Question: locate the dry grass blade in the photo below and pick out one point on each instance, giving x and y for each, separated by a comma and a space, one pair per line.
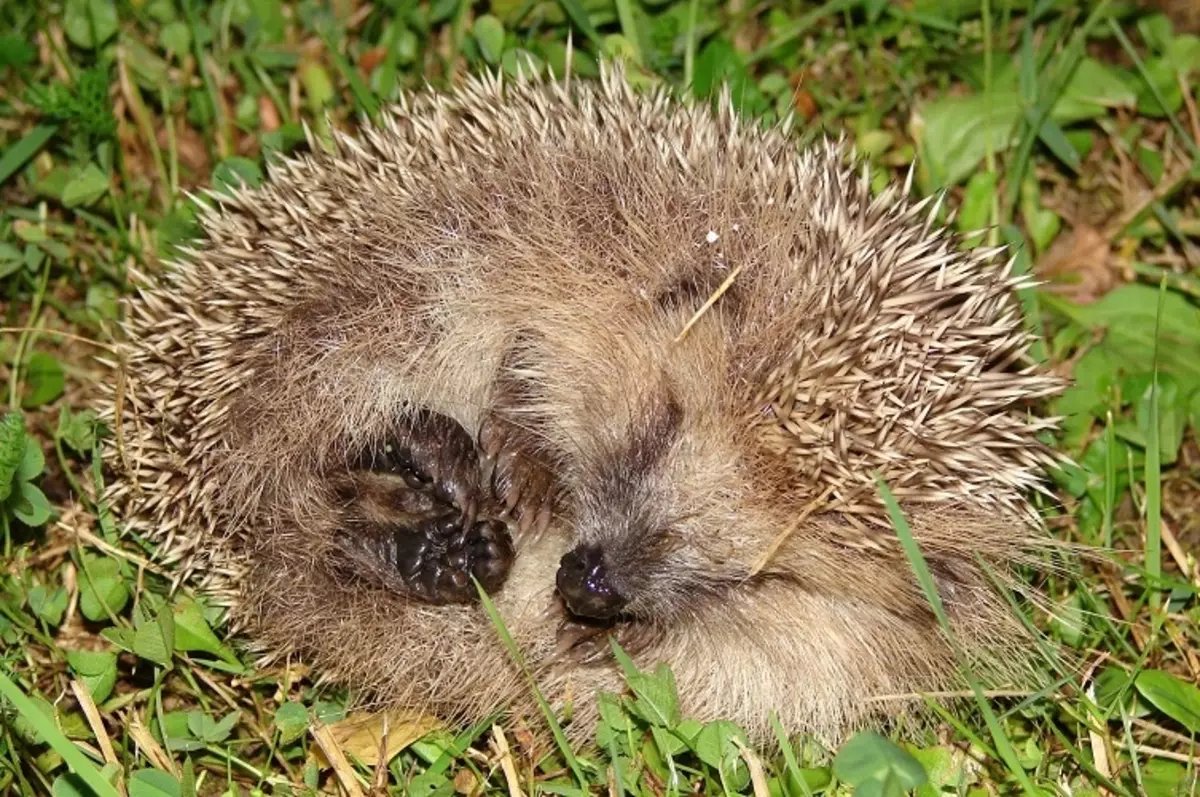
507, 765
342, 769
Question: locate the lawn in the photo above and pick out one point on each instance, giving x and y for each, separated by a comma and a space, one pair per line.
1066, 131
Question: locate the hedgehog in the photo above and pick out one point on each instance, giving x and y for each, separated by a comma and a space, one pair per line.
633, 367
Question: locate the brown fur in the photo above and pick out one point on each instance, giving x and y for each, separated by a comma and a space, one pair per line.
528, 255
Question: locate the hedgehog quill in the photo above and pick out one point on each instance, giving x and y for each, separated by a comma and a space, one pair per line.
629, 363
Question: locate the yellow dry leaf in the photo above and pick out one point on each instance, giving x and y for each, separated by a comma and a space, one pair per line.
359, 735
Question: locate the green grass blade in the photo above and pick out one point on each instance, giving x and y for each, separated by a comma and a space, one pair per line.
1110, 478
925, 578
579, 16
629, 27
362, 94
1048, 97
689, 53
30, 144
1153, 550
46, 728
1131, 51
789, 755
800, 27
560, 738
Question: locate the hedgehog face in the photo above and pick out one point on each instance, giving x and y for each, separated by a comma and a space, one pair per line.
651, 521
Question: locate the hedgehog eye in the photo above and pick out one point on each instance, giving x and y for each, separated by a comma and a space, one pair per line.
409, 515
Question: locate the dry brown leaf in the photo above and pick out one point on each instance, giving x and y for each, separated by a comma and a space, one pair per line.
1078, 265
193, 154
371, 59
361, 734
268, 114
465, 781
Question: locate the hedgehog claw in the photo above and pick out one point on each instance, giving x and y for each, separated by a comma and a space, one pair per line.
524, 487
589, 642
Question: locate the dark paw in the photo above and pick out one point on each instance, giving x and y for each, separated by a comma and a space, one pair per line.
523, 485
432, 452
438, 561
409, 514
434, 561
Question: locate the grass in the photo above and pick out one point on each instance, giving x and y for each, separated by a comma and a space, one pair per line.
1070, 131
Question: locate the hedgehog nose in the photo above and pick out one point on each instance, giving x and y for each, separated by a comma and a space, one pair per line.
584, 585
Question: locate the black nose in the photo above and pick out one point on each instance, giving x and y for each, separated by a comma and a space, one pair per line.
583, 583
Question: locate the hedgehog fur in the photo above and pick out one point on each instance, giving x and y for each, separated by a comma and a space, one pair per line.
667, 351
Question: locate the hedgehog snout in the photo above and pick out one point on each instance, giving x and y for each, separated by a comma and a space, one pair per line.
584, 584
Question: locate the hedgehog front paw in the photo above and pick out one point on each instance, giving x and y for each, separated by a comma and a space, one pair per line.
409, 514
521, 483
437, 560
434, 452
434, 560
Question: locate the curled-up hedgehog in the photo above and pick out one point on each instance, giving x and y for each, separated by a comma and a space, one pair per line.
630, 365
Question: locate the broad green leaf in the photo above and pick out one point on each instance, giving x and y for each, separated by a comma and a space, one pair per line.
153, 783
16, 51
976, 209
12, 451
1177, 699
176, 38
518, 60
1043, 226
715, 746
668, 743
328, 712
318, 88
49, 605
953, 133
154, 640
105, 588
31, 506
945, 769
77, 429
875, 765
1159, 80
1069, 619
44, 379
85, 187
1184, 53
103, 300
121, 637
193, 633
614, 722
70, 785
90, 23
236, 170
1129, 313
291, 720
97, 670
33, 461
177, 726
204, 728
489, 33
657, 699
1172, 412
1162, 778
